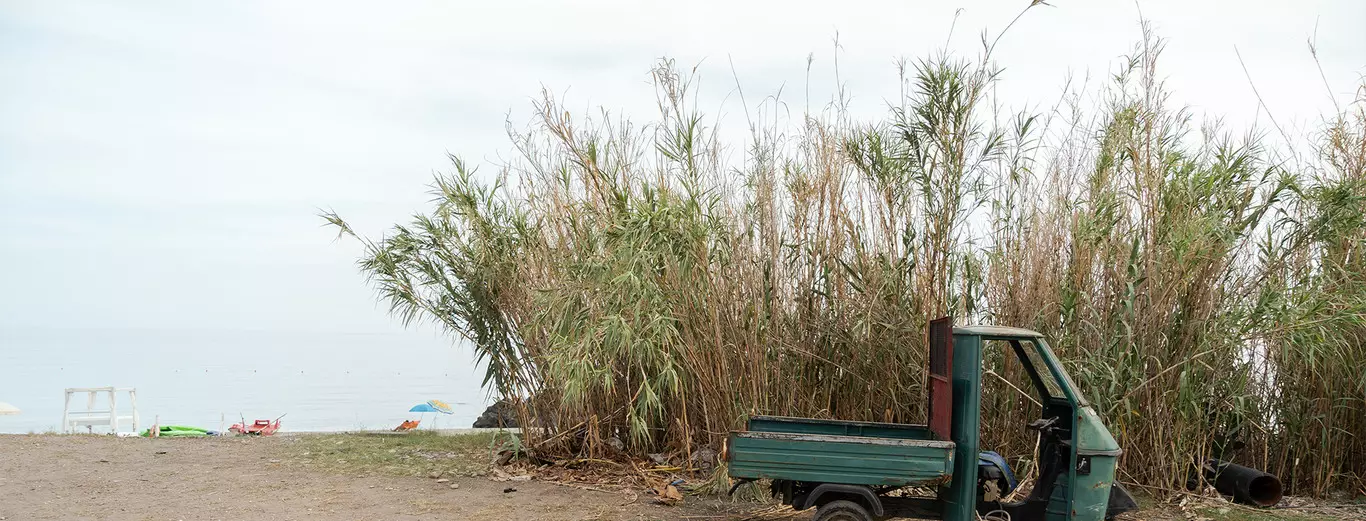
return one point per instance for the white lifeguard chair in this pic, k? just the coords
(91, 417)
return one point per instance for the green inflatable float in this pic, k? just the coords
(178, 431)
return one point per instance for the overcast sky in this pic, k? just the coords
(161, 163)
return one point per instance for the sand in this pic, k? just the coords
(118, 479)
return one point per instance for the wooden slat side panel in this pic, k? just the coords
(940, 377)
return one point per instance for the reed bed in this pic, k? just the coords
(644, 282)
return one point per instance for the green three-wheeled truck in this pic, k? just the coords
(846, 469)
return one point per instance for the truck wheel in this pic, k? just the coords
(842, 510)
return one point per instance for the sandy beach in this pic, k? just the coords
(49, 477)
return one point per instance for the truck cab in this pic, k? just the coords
(847, 469)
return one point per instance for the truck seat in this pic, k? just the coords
(992, 466)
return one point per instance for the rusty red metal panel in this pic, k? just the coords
(941, 377)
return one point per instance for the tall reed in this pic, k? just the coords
(630, 281)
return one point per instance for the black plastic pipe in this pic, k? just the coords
(1247, 485)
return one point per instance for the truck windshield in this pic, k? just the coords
(1035, 351)
(1036, 359)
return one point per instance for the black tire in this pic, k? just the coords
(842, 510)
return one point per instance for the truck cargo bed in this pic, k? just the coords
(832, 451)
(901, 431)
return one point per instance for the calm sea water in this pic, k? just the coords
(322, 381)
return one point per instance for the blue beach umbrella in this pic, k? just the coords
(423, 407)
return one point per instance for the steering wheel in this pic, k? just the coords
(1043, 425)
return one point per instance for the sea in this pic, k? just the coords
(316, 381)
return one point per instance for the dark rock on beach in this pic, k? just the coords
(500, 414)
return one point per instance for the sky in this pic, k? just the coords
(162, 163)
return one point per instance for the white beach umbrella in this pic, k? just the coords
(6, 408)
